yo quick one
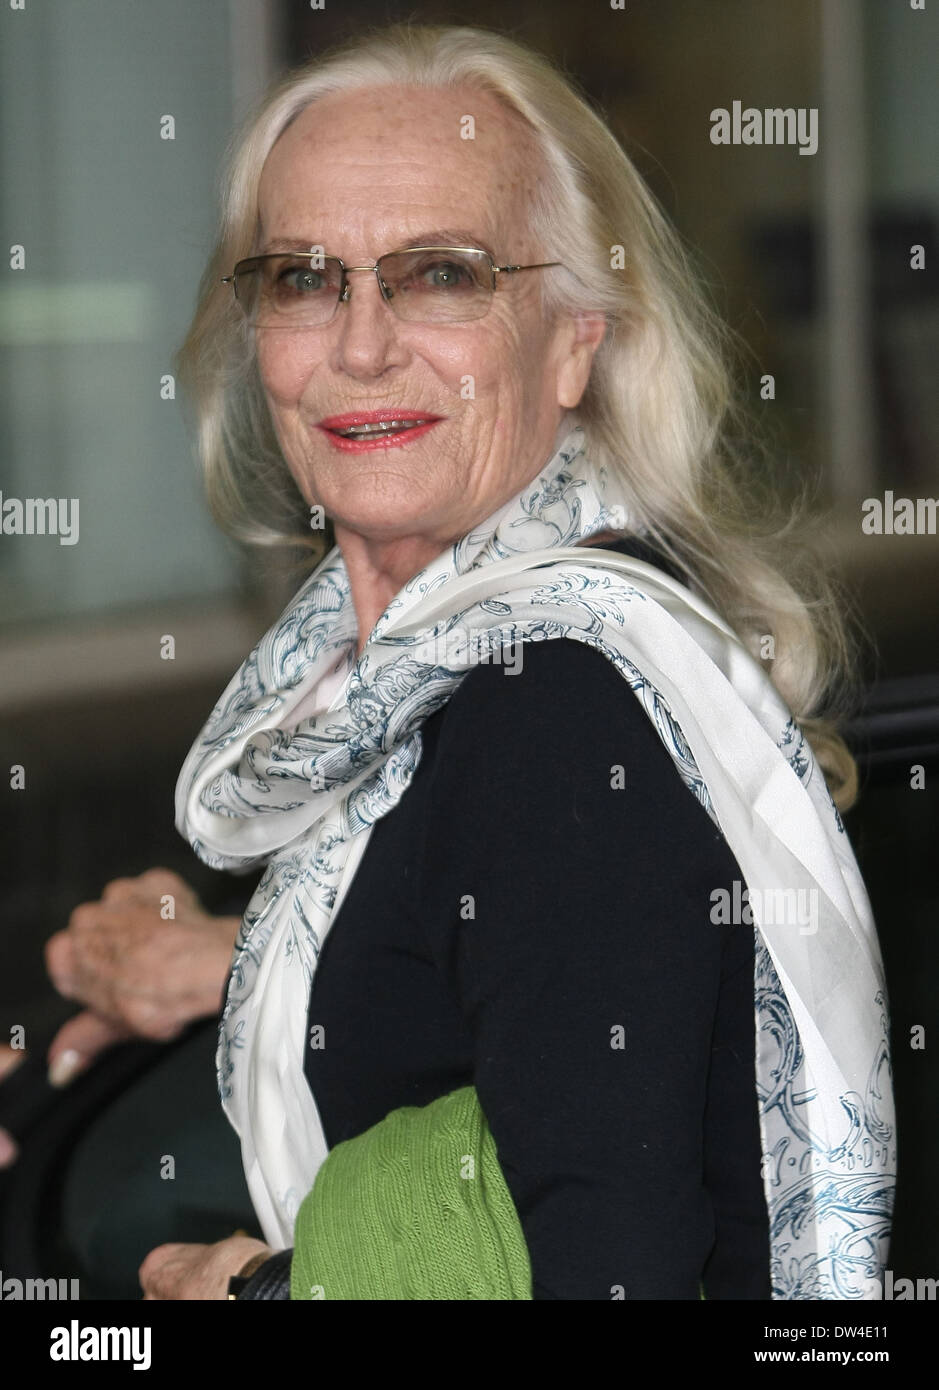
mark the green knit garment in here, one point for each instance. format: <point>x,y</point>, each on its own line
<point>417,1207</point>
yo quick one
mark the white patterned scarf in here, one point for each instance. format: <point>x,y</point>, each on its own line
<point>309,746</point>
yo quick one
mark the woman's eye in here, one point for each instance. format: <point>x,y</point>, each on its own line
<point>446,275</point>
<point>300,279</point>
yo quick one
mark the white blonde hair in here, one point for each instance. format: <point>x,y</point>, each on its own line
<point>660,409</point>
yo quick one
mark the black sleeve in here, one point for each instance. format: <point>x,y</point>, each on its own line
<point>589,973</point>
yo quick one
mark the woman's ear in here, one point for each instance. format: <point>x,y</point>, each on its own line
<point>582,334</point>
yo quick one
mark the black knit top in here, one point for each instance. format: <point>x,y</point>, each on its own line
<point>533,918</point>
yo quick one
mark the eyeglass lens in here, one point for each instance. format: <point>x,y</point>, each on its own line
<point>439,285</point>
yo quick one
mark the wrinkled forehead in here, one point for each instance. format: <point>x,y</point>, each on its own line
<point>383,162</point>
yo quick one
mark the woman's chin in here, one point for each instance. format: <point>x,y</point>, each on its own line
<point>381,522</point>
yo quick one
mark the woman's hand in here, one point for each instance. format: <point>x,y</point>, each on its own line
<point>141,971</point>
<point>180,1272</point>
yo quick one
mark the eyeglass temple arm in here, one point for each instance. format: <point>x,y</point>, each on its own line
<point>509,269</point>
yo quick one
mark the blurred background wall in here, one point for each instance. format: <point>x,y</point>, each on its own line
<point>808,257</point>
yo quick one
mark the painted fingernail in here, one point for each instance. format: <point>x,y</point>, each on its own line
<point>65,1066</point>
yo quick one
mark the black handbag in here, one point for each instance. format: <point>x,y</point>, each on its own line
<point>271,1280</point>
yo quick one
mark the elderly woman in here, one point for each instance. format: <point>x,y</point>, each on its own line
<point>560,980</point>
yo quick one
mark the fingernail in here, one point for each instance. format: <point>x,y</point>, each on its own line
<point>65,1066</point>
<point>8,1149</point>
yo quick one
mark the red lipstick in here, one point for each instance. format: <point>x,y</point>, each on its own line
<point>375,429</point>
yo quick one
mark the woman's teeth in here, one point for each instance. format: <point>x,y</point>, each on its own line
<point>379,427</point>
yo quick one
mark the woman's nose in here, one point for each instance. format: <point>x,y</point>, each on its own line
<point>367,337</point>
